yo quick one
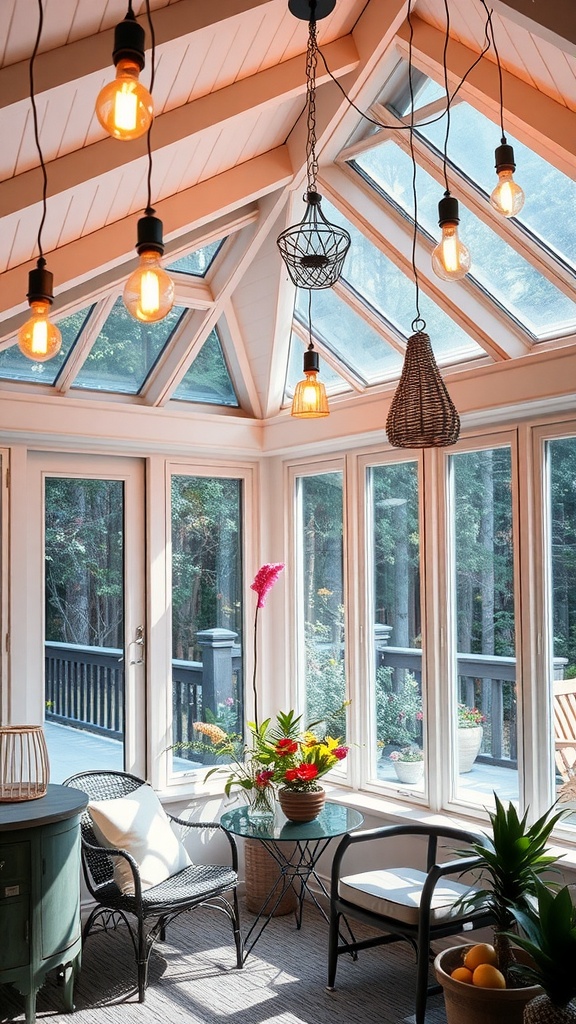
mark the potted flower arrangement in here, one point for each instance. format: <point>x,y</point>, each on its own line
<point>510,862</point>
<point>470,733</point>
<point>408,763</point>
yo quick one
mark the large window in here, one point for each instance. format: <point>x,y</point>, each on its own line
<point>483,656</point>
<point>396,640</point>
<point>207,652</point>
<point>320,597</point>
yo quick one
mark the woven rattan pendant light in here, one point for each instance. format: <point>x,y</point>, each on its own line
<point>313,250</point>
<point>422,414</point>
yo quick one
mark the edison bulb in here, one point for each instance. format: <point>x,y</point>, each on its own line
<point>38,338</point>
<point>125,107</point>
<point>450,259</point>
<point>149,291</point>
<point>508,197</point>
<point>310,399</point>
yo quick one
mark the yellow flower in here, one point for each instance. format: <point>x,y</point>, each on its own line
<point>214,732</point>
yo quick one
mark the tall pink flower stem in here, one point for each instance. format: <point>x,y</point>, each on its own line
<point>263,582</point>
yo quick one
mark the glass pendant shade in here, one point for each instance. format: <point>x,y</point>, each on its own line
<point>149,291</point>
<point>38,338</point>
<point>310,400</point>
<point>422,414</point>
<point>450,258</point>
<point>507,198</point>
<point>124,107</point>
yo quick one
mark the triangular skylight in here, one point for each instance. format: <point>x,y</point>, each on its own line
<point>198,263</point>
<point>125,351</point>
<point>207,379</point>
<point>17,367</point>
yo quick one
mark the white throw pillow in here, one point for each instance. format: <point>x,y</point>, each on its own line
<point>138,824</point>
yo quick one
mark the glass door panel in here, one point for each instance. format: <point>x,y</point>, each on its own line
<point>94,632</point>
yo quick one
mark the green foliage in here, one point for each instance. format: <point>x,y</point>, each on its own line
<point>550,939</point>
<point>398,713</point>
<point>511,859</point>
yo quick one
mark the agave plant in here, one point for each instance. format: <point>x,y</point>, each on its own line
<point>510,862</point>
<point>549,936</point>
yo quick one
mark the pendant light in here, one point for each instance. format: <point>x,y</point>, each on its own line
<point>310,400</point>
<point>422,414</point>
<point>450,258</point>
<point>124,107</point>
<point>313,250</point>
<point>508,197</point>
<point>38,338</point>
<point>149,291</point>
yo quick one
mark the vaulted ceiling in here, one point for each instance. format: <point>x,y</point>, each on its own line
<point>229,146</point>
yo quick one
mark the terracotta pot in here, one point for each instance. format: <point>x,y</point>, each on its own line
<point>470,1004</point>
<point>300,805</point>
<point>469,743</point>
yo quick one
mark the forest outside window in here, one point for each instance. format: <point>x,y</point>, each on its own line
<point>207,616</point>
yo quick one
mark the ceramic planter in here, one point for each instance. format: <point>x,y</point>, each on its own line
<point>409,771</point>
<point>469,743</point>
<point>470,1004</point>
<point>301,805</point>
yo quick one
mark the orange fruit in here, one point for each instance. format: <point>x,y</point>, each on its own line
<point>481,953</point>
<point>488,976</point>
<point>462,974</point>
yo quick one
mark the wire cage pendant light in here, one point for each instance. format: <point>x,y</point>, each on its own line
<point>313,250</point>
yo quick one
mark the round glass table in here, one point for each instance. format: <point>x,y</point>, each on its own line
<point>296,847</point>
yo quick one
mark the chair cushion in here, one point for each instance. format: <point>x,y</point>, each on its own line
<point>138,824</point>
<point>395,892</point>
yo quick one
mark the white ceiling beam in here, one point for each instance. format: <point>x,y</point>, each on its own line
<point>187,123</point>
<point>554,22</point>
<point>67,63</point>
<point>79,261</point>
<point>534,118</point>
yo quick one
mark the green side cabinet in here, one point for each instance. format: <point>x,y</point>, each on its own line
<point>40,892</point>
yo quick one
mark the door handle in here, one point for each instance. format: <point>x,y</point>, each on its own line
<point>138,642</point>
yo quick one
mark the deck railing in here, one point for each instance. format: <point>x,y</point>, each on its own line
<point>85,686</point>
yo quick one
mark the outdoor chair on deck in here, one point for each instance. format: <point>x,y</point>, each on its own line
<point>136,867</point>
<point>418,905</point>
<point>565,727</point>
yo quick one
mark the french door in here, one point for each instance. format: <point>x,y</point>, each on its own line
<point>92,599</point>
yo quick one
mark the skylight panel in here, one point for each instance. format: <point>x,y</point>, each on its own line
<point>349,337</point>
<point>207,379</point>
<point>333,382</point>
<point>548,212</point>
<point>383,287</point>
<point>125,351</point>
<point>516,286</point>
<point>17,367</point>
<point>198,263</point>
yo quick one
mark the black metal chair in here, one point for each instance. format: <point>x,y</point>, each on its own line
<point>194,886</point>
<point>417,905</point>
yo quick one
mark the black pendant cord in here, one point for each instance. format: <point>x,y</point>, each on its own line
<point>41,260</point>
<point>149,210</point>
<point>490,31</point>
<point>406,127</point>
<point>310,342</point>
<point>448,101</point>
<point>418,323</point>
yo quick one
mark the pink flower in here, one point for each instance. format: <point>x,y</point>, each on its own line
<point>265,579</point>
<point>340,752</point>
<point>263,778</point>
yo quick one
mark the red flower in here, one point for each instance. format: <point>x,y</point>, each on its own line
<point>340,752</point>
<point>263,778</point>
<point>265,579</point>
<point>285,747</point>
<point>303,773</point>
